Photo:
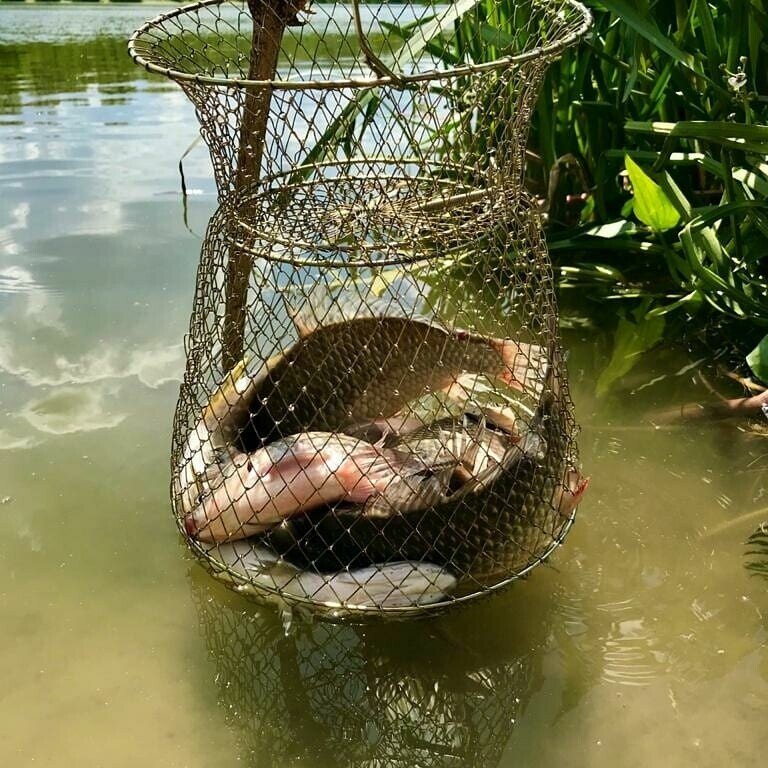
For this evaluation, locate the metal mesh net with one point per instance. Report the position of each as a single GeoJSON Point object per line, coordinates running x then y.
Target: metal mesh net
{"type": "Point", "coordinates": [374, 416]}
{"type": "Point", "coordinates": [447, 695]}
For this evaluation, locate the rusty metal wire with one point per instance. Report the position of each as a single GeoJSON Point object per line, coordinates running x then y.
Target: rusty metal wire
{"type": "Point", "coordinates": [343, 695]}
{"type": "Point", "coordinates": [374, 300]}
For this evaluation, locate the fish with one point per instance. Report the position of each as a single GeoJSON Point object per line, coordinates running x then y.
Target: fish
{"type": "Point", "coordinates": [354, 363]}
{"type": "Point", "coordinates": [486, 396]}
{"type": "Point", "coordinates": [390, 585]}
{"type": "Point", "coordinates": [256, 491]}
{"type": "Point", "coordinates": [468, 396]}
{"type": "Point", "coordinates": [508, 516]}
{"type": "Point", "coordinates": [358, 364]}
{"type": "Point", "coordinates": [459, 452]}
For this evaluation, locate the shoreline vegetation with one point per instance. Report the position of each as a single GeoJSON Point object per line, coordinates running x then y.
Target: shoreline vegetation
{"type": "Point", "coordinates": [649, 149]}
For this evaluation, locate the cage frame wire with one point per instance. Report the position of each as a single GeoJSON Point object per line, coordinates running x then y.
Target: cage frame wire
{"type": "Point", "coordinates": [239, 203]}
{"type": "Point", "coordinates": [395, 79]}
{"type": "Point", "coordinates": [248, 232]}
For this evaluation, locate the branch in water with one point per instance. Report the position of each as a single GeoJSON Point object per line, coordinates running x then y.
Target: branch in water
{"type": "Point", "coordinates": [740, 407]}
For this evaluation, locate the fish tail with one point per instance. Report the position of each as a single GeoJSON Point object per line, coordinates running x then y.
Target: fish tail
{"type": "Point", "coordinates": [571, 494]}
{"type": "Point", "coordinates": [527, 365]}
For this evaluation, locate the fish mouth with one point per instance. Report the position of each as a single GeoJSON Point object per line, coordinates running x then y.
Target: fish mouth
{"type": "Point", "coordinates": [191, 526]}
{"type": "Point", "coordinates": [200, 528]}
{"type": "Point", "coordinates": [197, 526]}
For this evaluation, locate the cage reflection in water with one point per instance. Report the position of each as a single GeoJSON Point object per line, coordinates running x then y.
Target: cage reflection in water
{"type": "Point", "coordinates": [448, 693]}
{"type": "Point", "coordinates": [374, 417]}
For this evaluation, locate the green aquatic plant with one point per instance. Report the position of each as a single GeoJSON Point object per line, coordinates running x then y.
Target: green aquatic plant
{"type": "Point", "coordinates": [757, 552]}
{"type": "Point", "coordinates": [650, 147]}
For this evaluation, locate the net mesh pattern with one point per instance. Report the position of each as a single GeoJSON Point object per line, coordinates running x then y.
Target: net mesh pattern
{"type": "Point", "coordinates": [374, 416]}
{"type": "Point", "coordinates": [336, 694]}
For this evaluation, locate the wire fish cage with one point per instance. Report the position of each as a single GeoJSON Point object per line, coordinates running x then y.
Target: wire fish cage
{"type": "Point", "coordinates": [374, 418]}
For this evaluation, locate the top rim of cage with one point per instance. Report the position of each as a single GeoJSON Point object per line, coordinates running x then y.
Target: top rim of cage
{"type": "Point", "coordinates": [541, 52]}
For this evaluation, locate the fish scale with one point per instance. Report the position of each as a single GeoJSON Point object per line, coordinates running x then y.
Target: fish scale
{"type": "Point", "coordinates": [360, 370]}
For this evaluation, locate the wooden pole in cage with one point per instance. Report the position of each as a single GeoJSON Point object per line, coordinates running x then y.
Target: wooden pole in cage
{"type": "Point", "coordinates": [270, 17]}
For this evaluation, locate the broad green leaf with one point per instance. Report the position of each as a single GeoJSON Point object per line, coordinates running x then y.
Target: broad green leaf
{"type": "Point", "coordinates": [631, 341]}
{"type": "Point", "coordinates": [613, 229]}
{"type": "Point", "coordinates": [757, 360]}
{"type": "Point", "coordinates": [747, 138]}
{"type": "Point", "coordinates": [652, 206]}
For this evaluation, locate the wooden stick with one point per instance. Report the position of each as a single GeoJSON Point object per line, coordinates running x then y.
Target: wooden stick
{"type": "Point", "coordinates": [741, 407]}
{"type": "Point", "coordinates": [270, 17]}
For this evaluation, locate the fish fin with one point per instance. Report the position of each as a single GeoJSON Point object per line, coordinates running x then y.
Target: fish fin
{"type": "Point", "coordinates": [302, 321]}
{"type": "Point", "coordinates": [243, 557]}
{"type": "Point", "coordinates": [226, 399]}
{"type": "Point", "coordinates": [569, 496]}
{"type": "Point", "coordinates": [376, 470]}
{"type": "Point", "coordinates": [388, 430]}
{"type": "Point", "coordinates": [223, 464]}
{"type": "Point", "coordinates": [533, 444]}
{"type": "Point", "coordinates": [371, 432]}
{"type": "Point", "coordinates": [411, 494]}
{"type": "Point", "coordinates": [323, 306]}
{"type": "Point", "coordinates": [527, 366]}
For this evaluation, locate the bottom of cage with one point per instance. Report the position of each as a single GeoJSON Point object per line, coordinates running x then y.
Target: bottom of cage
{"type": "Point", "coordinates": [339, 569]}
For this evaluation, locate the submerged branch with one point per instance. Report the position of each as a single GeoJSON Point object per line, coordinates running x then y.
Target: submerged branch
{"type": "Point", "coordinates": [740, 407]}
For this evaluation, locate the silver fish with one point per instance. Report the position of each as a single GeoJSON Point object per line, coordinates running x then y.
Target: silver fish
{"type": "Point", "coordinates": [393, 585]}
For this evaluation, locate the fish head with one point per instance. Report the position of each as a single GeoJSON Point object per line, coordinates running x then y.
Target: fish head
{"type": "Point", "coordinates": [226, 510]}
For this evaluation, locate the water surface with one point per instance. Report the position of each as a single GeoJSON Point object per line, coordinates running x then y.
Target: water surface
{"type": "Point", "coordinates": [644, 641]}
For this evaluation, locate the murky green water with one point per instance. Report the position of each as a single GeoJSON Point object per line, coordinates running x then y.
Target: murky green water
{"type": "Point", "coordinates": [643, 644]}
